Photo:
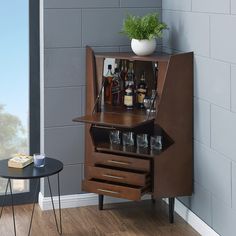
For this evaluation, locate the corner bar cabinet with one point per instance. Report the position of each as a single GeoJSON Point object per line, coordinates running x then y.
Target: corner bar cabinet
{"type": "Point", "coordinates": [130, 172]}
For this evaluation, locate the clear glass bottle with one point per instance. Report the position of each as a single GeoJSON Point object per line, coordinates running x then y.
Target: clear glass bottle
{"type": "Point", "coordinates": [130, 75]}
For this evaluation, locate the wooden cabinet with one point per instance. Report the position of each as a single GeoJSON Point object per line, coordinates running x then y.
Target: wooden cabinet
{"type": "Point", "coordinates": [130, 172]}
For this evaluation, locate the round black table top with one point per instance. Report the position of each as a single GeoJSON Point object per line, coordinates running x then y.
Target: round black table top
{"type": "Point", "coordinates": [52, 166]}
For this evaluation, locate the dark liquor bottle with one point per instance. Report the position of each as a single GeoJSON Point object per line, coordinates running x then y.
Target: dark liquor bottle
{"type": "Point", "coordinates": [141, 91]}
{"type": "Point", "coordinates": [116, 88]}
{"type": "Point", "coordinates": [129, 97]}
{"type": "Point", "coordinates": [108, 86]}
{"type": "Point", "coordinates": [123, 76]}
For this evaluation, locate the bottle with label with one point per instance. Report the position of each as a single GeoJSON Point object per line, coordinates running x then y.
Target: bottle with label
{"type": "Point", "coordinates": [116, 88]}
{"type": "Point", "coordinates": [108, 86]}
{"type": "Point", "coordinates": [129, 97]}
{"type": "Point", "coordinates": [141, 91]}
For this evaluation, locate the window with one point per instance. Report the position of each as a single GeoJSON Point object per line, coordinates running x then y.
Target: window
{"type": "Point", "coordinates": [19, 91]}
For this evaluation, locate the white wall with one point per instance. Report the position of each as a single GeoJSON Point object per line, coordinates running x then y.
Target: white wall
{"type": "Point", "coordinates": [208, 27]}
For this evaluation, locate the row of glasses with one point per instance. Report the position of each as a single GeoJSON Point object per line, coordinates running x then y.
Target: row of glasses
{"type": "Point", "coordinates": [128, 139]}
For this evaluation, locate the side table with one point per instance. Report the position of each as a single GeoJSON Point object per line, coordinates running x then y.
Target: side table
{"type": "Point", "coordinates": [52, 167]}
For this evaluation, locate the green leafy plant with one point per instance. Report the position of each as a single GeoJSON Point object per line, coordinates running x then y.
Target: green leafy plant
{"type": "Point", "coordinates": [146, 27]}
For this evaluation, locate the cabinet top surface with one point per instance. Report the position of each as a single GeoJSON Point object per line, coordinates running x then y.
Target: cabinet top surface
{"type": "Point", "coordinates": [132, 57]}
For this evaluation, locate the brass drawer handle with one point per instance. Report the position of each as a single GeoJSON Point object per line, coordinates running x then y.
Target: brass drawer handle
{"type": "Point", "coordinates": [119, 162]}
{"type": "Point", "coordinates": [112, 176]}
{"type": "Point", "coordinates": [107, 191]}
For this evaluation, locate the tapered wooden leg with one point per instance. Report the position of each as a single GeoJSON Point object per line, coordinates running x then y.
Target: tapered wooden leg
{"type": "Point", "coordinates": [153, 200]}
{"type": "Point", "coordinates": [100, 202]}
{"type": "Point", "coordinates": [171, 209]}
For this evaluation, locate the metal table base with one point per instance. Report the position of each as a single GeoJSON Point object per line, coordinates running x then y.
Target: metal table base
{"type": "Point", "coordinates": [58, 225]}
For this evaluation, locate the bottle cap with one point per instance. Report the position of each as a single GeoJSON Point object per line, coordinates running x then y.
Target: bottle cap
{"type": "Point", "coordinates": [109, 67]}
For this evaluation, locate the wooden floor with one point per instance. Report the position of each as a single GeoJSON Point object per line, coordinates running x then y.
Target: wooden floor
{"type": "Point", "coordinates": [123, 219]}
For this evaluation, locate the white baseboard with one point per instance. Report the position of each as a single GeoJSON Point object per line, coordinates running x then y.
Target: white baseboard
{"type": "Point", "coordinates": [88, 199]}
{"type": "Point", "coordinates": [199, 225]}
{"type": "Point", "coordinates": [78, 200]}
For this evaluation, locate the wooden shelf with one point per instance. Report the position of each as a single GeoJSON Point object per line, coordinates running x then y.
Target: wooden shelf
{"type": "Point", "coordinates": [118, 120]}
{"type": "Point", "coordinates": [132, 57]}
{"type": "Point", "coordinates": [127, 150]}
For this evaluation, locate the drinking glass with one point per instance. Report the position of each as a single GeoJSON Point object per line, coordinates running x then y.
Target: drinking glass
{"type": "Point", "coordinates": [156, 142]}
{"type": "Point", "coordinates": [142, 140]}
{"type": "Point", "coordinates": [114, 137]}
{"type": "Point", "coordinates": [39, 159]}
{"type": "Point", "coordinates": [147, 103]}
{"type": "Point", "coordinates": [128, 138]}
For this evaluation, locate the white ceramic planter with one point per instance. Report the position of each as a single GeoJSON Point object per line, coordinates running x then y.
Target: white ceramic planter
{"type": "Point", "coordinates": [143, 47]}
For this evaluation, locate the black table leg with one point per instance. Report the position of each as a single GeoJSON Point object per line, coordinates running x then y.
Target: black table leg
{"type": "Point", "coordinates": [12, 204]}
{"type": "Point", "coordinates": [35, 198]}
{"type": "Point", "coordinates": [100, 202]}
{"type": "Point", "coordinates": [3, 201]}
{"type": "Point", "coordinates": [171, 209]}
{"type": "Point", "coordinates": [59, 228]}
{"type": "Point", "coordinates": [12, 207]}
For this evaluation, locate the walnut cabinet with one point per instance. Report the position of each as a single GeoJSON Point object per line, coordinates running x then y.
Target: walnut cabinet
{"type": "Point", "coordinates": [128, 172]}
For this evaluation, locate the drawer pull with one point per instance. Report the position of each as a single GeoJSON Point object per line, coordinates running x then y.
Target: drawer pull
{"type": "Point", "coordinates": [119, 162]}
{"type": "Point", "coordinates": [112, 176]}
{"type": "Point", "coordinates": [107, 191]}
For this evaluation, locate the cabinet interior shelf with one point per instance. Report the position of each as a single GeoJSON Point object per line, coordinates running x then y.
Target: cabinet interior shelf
{"type": "Point", "coordinates": [128, 150]}
{"type": "Point", "coordinates": [118, 120]}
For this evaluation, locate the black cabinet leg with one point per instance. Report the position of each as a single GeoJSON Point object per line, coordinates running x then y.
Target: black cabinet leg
{"type": "Point", "coordinates": [171, 209]}
{"type": "Point", "coordinates": [153, 200]}
{"type": "Point", "coordinates": [100, 202]}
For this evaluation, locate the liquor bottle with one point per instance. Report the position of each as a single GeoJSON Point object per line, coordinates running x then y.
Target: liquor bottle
{"type": "Point", "coordinates": [130, 75]}
{"type": "Point", "coordinates": [141, 91]}
{"type": "Point", "coordinates": [125, 73]}
{"type": "Point", "coordinates": [155, 75]}
{"type": "Point", "coordinates": [108, 85]}
{"type": "Point", "coordinates": [116, 88]}
{"type": "Point", "coordinates": [129, 97]}
{"type": "Point", "coordinates": [123, 76]}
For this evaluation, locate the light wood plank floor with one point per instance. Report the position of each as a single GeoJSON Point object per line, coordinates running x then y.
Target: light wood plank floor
{"type": "Point", "coordinates": [123, 219]}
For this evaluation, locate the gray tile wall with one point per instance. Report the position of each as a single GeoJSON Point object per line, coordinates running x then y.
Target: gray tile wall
{"type": "Point", "coordinates": [207, 28]}
{"type": "Point", "coordinates": [70, 25]}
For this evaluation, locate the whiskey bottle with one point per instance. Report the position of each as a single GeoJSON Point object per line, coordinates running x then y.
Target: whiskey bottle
{"type": "Point", "coordinates": [141, 91]}
{"type": "Point", "coordinates": [108, 86]}
{"type": "Point", "coordinates": [129, 97]}
{"type": "Point", "coordinates": [123, 76]}
{"type": "Point", "coordinates": [116, 88]}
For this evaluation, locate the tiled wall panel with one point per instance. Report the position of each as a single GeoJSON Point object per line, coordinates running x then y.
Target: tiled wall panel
{"type": "Point", "coordinates": [206, 27]}
{"type": "Point", "coordinates": [69, 26]}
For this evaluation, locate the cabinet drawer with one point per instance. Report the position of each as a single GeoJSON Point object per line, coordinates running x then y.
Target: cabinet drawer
{"type": "Point", "coordinates": [121, 161]}
{"type": "Point", "coordinates": [139, 179]}
{"type": "Point", "coordinates": [114, 190]}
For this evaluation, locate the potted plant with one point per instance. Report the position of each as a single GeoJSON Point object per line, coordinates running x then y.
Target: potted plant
{"type": "Point", "coordinates": [143, 32]}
